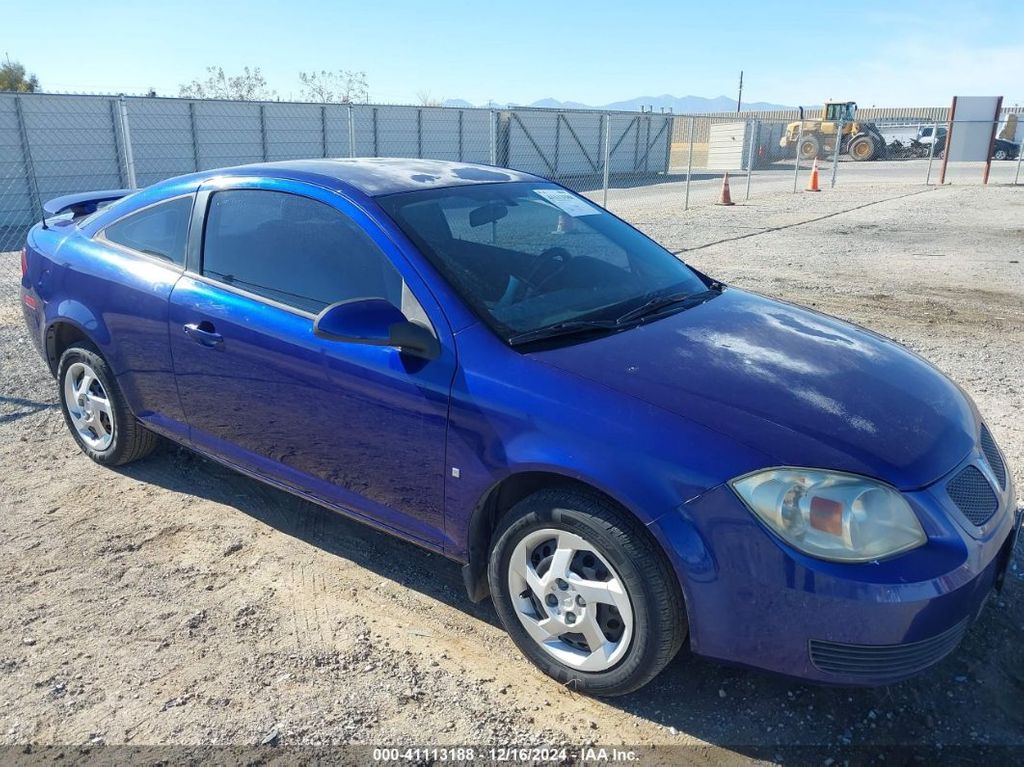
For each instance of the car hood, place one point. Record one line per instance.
(803, 388)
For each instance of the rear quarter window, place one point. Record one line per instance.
(160, 230)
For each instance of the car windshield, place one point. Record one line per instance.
(529, 256)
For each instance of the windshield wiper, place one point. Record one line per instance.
(562, 329)
(656, 304)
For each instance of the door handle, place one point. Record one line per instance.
(203, 333)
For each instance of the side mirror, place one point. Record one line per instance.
(375, 322)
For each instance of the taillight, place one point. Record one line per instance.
(24, 261)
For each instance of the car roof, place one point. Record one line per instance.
(380, 175)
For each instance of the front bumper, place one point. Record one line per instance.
(752, 600)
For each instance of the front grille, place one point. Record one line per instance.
(973, 495)
(988, 447)
(885, 661)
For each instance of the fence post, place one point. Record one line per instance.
(419, 133)
(558, 139)
(26, 152)
(1016, 175)
(931, 153)
(647, 147)
(835, 155)
(126, 143)
(323, 128)
(607, 156)
(689, 165)
(115, 128)
(376, 133)
(494, 138)
(195, 136)
(263, 131)
(754, 125)
(351, 132)
(796, 157)
(461, 113)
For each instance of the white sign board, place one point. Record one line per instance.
(970, 132)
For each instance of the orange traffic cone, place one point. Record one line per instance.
(726, 198)
(812, 185)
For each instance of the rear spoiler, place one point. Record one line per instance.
(81, 204)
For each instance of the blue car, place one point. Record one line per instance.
(627, 455)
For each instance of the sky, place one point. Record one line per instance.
(876, 53)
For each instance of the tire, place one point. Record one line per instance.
(1000, 154)
(95, 410)
(617, 583)
(809, 147)
(862, 148)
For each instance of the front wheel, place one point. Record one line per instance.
(585, 592)
(95, 410)
(862, 148)
(1000, 154)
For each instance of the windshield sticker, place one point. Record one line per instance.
(568, 203)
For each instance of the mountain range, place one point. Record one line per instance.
(666, 102)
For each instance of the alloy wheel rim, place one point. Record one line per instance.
(88, 406)
(570, 600)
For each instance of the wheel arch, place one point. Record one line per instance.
(501, 497)
(61, 332)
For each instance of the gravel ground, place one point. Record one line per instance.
(177, 602)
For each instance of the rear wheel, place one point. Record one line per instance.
(810, 147)
(585, 593)
(1000, 154)
(862, 148)
(95, 411)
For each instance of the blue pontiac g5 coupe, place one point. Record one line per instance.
(625, 454)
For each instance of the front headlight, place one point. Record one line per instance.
(829, 515)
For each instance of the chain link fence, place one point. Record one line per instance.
(642, 166)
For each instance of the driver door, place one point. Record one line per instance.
(360, 428)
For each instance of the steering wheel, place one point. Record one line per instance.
(546, 266)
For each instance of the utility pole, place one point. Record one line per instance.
(739, 98)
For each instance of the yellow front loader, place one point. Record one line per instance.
(838, 120)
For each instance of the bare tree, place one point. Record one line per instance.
(14, 78)
(250, 85)
(428, 100)
(339, 87)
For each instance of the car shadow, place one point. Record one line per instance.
(22, 408)
(434, 575)
(754, 714)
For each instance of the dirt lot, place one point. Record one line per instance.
(175, 601)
